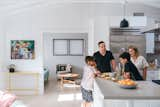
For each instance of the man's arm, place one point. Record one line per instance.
(113, 63)
(145, 73)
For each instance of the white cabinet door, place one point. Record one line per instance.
(154, 103)
(141, 103)
(98, 97)
(153, 75)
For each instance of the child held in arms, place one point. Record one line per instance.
(129, 69)
(87, 81)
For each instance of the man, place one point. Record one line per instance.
(104, 59)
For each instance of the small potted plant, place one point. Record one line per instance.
(11, 68)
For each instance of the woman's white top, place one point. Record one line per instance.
(140, 63)
(88, 78)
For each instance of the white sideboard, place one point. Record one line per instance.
(23, 83)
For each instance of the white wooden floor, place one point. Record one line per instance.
(54, 96)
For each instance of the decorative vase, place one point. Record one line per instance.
(11, 70)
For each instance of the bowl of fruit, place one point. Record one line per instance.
(127, 84)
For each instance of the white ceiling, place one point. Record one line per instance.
(14, 3)
(7, 6)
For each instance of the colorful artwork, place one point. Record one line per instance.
(22, 49)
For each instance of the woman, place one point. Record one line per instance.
(139, 61)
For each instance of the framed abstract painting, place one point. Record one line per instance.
(22, 49)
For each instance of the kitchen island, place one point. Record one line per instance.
(109, 94)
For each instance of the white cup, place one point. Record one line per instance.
(111, 74)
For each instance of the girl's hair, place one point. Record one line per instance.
(89, 58)
(125, 55)
(135, 49)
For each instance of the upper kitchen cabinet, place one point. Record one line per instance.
(134, 21)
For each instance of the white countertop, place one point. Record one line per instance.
(144, 90)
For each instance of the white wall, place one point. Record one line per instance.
(101, 31)
(91, 37)
(1, 43)
(21, 27)
(2, 52)
(32, 24)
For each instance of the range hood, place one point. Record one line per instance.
(152, 28)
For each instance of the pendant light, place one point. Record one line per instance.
(124, 23)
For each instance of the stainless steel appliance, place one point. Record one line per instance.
(121, 38)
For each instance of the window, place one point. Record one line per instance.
(69, 47)
(60, 47)
(76, 47)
